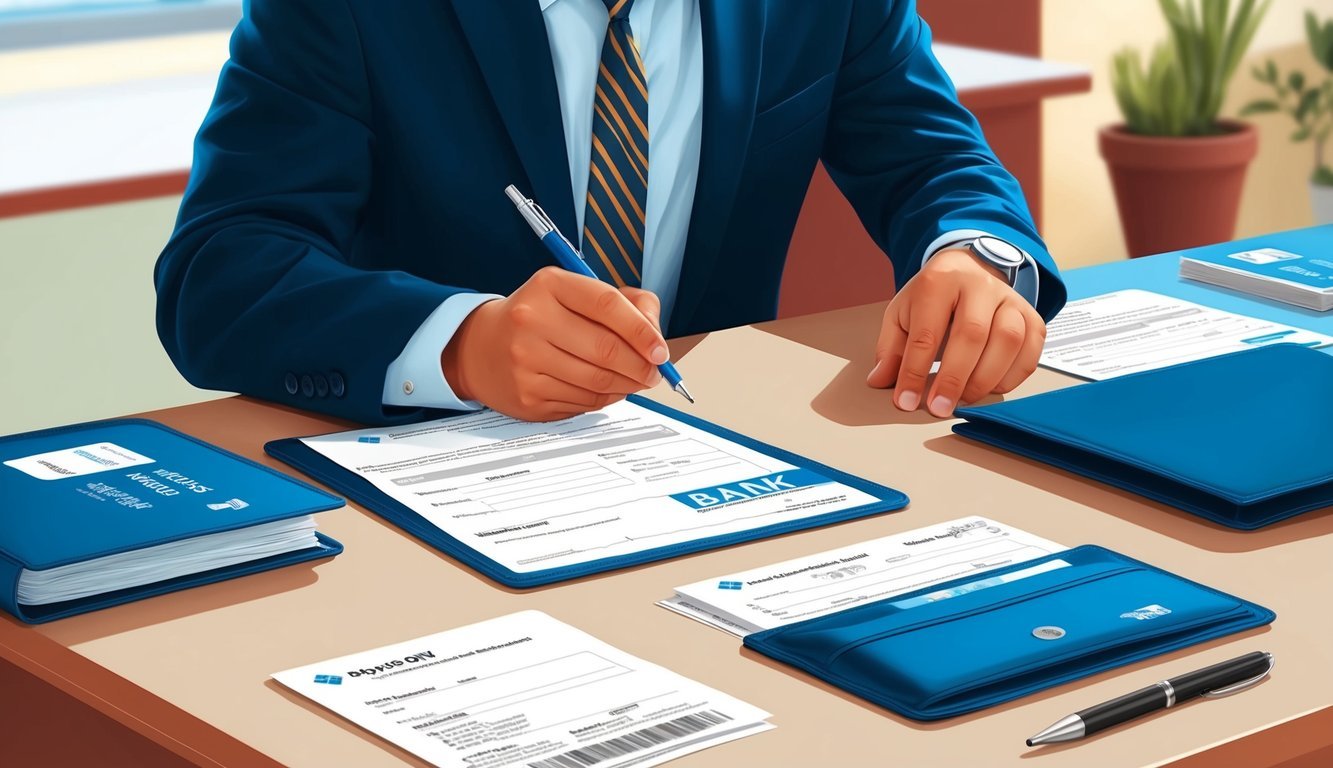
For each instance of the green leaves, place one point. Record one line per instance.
(1308, 103)
(1321, 40)
(1259, 107)
(1181, 91)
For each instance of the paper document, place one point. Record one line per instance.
(524, 690)
(828, 582)
(1130, 331)
(614, 482)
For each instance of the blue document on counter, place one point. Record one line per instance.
(107, 512)
(533, 503)
(1241, 439)
(1302, 278)
(974, 642)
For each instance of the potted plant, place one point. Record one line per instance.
(1310, 104)
(1178, 169)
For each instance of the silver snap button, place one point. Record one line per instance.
(408, 387)
(1048, 633)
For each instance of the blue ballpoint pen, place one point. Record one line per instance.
(572, 260)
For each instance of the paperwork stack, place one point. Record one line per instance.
(1268, 272)
(103, 513)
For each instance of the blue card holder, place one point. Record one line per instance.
(1078, 612)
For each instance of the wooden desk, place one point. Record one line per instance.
(184, 677)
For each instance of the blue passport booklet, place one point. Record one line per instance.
(107, 512)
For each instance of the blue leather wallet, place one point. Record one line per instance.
(972, 643)
(1240, 439)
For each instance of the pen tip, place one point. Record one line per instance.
(685, 393)
(1030, 744)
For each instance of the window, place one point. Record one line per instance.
(32, 23)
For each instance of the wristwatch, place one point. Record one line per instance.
(999, 254)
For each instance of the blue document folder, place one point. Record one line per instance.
(303, 457)
(1241, 439)
(76, 493)
(972, 643)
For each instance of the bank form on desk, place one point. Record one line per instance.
(529, 503)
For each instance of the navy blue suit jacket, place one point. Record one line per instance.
(349, 175)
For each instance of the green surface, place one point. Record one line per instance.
(77, 339)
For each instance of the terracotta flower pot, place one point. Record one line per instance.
(1176, 193)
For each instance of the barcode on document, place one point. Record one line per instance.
(630, 743)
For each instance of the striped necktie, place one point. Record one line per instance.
(613, 222)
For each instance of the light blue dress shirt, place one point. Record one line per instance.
(670, 41)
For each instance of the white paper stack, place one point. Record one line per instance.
(165, 561)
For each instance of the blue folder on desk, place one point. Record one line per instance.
(74, 494)
(303, 457)
(1242, 439)
(975, 642)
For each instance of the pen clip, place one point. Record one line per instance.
(1243, 684)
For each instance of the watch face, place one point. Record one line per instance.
(1000, 251)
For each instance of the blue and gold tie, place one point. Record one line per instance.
(613, 223)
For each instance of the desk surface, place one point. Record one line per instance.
(797, 383)
(97, 131)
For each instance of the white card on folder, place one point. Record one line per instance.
(832, 581)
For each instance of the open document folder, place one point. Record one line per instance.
(529, 504)
(962, 615)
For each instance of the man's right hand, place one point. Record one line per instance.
(560, 345)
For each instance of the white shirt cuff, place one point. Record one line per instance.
(1027, 283)
(415, 378)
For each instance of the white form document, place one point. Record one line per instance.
(1131, 331)
(832, 581)
(524, 690)
(613, 482)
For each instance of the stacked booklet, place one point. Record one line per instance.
(1285, 276)
(103, 513)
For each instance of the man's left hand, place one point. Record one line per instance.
(992, 337)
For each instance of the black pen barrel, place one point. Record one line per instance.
(1230, 672)
(1124, 708)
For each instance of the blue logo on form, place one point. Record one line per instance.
(728, 585)
(329, 679)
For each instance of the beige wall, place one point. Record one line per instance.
(1081, 225)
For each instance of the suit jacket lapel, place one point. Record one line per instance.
(508, 39)
(732, 40)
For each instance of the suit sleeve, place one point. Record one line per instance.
(910, 159)
(255, 291)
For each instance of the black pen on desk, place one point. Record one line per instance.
(1213, 682)
(569, 258)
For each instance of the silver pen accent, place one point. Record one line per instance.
(1067, 728)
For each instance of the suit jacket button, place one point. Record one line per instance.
(289, 381)
(307, 386)
(408, 387)
(337, 386)
(321, 385)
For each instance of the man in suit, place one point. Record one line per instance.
(345, 244)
